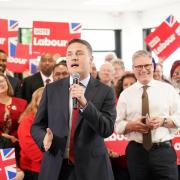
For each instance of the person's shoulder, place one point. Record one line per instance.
(58, 83)
(163, 84)
(20, 101)
(32, 77)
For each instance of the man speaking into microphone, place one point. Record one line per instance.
(74, 117)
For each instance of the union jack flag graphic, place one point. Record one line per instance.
(170, 21)
(13, 25)
(75, 28)
(33, 66)
(7, 164)
(9, 31)
(12, 45)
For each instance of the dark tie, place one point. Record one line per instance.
(47, 81)
(73, 125)
(147, 140)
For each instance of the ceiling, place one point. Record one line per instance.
(88, 5)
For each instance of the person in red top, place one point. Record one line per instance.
(30, 154)
(10, 111)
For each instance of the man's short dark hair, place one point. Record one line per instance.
(63, 62)
(82, 41)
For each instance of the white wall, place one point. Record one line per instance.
(131, 23)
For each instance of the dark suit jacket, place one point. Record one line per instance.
(94, 124)
(16, 85)
(30, 84)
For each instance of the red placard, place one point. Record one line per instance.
(165, 39)
(53, 37)
(21, 62)
(9, 36)
(118, 143)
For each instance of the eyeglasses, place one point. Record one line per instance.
(146, 66)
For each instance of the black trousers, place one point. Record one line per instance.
(67, 171)
(30, 175)
(157, 164)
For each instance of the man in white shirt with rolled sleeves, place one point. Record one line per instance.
(157, 159)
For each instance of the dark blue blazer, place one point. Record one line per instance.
(94, 124)
(30, 84)
(16, 85)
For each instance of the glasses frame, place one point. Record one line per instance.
(145, 66)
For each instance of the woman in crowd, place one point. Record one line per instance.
(30, 154)
(119, 163)
(126, 80)
(10, 111)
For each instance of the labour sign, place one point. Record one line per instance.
(165, 39)
(53, 37)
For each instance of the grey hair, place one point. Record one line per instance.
(140, 53)
(119, 62)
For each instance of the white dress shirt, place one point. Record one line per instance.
(164, 101)
(44, 78)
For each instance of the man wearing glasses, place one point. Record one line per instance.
(148, 113)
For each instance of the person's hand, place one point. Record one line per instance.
(19, 174)
(48, 139)
(113, 154)
(137, 125)
(155, 122)
(12, 138)
(77, 92)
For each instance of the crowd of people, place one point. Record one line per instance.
(36, 115)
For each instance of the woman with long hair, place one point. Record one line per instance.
(30, 154)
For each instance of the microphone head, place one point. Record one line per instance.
(76, 75)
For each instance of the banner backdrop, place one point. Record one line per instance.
(165, 39)
(53, 36)
(7, 164)
(9, 36)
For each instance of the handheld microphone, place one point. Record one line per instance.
(75, 77)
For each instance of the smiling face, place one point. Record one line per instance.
(128, 81)
(3, 85)
(3, 60)
(78, 59)
(158, 73)
(142, 67)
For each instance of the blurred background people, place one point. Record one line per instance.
(41, 78)
(119, 70)
(175, 75)
(110, 57)
(106, 72)
(10, 111)
(94, 72)
(158, 73)
(30, 154)
(15, 83)
(60, 71)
